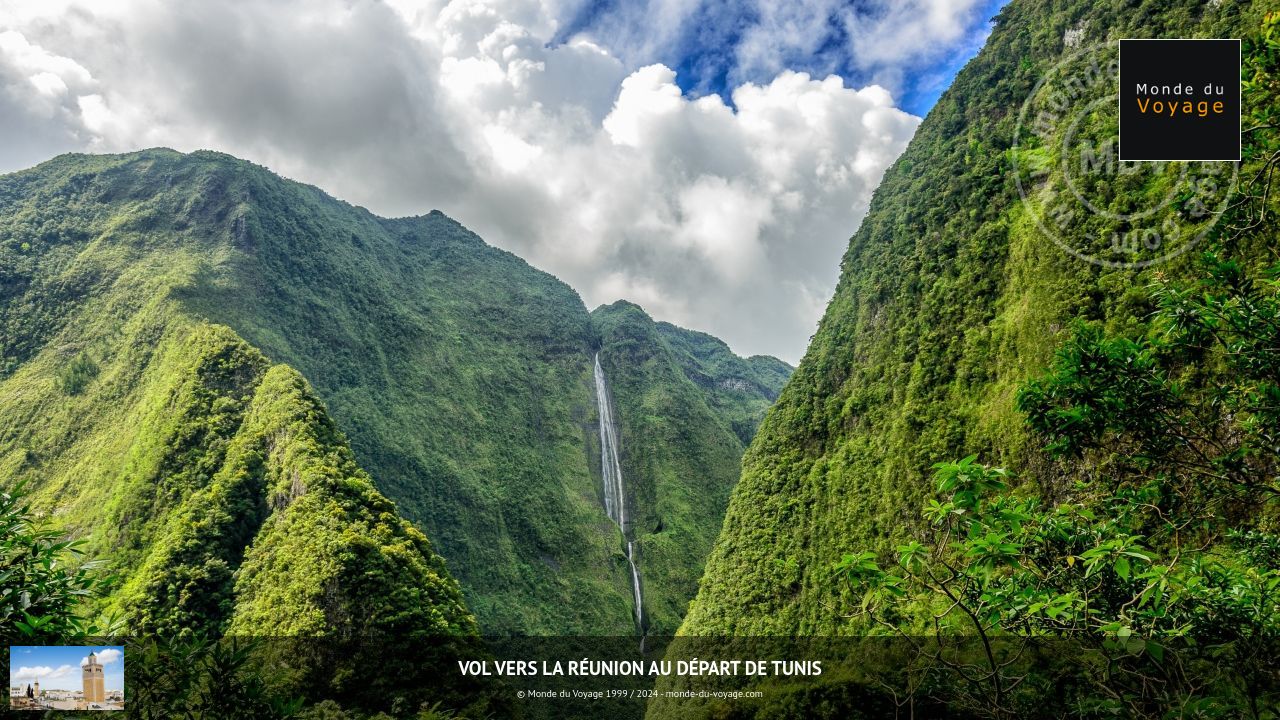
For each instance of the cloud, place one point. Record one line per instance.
(732, 221)
(105, 656)
(888, 42)
(42, 672)
(728, 217)
(40, 93)
(906, 36)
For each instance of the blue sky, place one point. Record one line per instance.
(58, 668)
(706, 48)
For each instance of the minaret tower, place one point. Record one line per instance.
(93, 679)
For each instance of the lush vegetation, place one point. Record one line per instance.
(950, 299)
(141, 296)
(217, 488)
(49, 587)
(738, 389)
(1129, 567)
(288, 537)
(198, 678)
(43, 579)
(1159, 560)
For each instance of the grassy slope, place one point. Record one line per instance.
(948, 299)
(460, 374)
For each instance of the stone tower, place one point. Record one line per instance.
(93, 679)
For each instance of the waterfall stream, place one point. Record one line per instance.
(615, 497)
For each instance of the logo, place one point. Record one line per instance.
(1079, 192)
(1180, 100)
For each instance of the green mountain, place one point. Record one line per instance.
(739, 390)
(158, 315)
(221, 486)
(950, 298)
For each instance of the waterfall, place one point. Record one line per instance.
(615, 497)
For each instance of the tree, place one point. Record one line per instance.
(1145, 620)
(43, 581)
(1154, 564)
(190, 676)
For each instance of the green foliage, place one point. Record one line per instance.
(77, 374)
(1213, 439)
(1165, 609)
(334, 553)
(43, 577)
(197, 678)
(949, 298)
(1157, 555)
(329, 710)
(269, 529)
(1260, 145)
(287, 535)
(738, 389)
(460, 373)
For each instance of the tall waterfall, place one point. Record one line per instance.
(615, 497)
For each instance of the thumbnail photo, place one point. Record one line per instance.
(60, 677)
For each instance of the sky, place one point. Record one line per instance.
(707, 159)
(58, 668)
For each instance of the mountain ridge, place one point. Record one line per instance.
(459, 373)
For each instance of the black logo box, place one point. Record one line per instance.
(1180, 65)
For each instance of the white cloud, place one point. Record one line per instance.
(879, 35)
(42, 673)
(726, 219)
(899, 30)
(105, 656)
(729, 221)
(39, 101)
(903, 35)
